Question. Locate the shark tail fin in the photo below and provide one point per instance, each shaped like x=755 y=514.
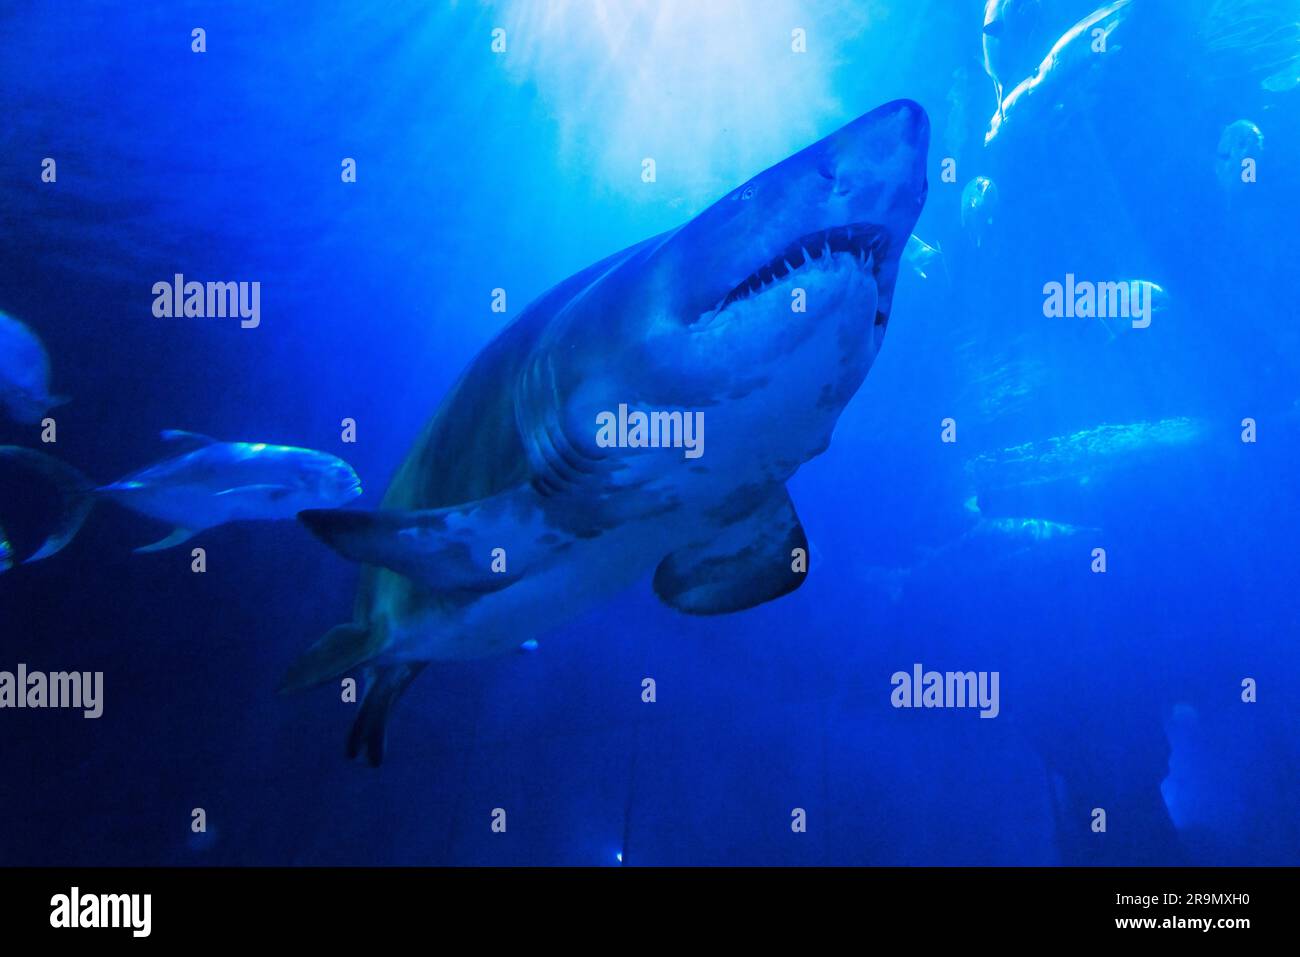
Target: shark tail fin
x=76 y=496
x=337 y=652
x=384 y=685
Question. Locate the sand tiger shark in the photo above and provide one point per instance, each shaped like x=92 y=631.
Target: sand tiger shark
x=509 y=518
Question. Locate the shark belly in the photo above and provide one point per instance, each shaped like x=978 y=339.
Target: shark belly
x=424 y=627
x=608 y=530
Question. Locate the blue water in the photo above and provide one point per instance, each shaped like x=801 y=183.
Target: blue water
x=1120 y=691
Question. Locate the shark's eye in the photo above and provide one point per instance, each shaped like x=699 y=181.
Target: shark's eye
x=748 y=192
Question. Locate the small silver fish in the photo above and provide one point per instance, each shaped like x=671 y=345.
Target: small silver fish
x=1030 y=529
x=24 y=373
x=1252 y=39
x=207 y=483
x=1240 y=140
x=979 y=205
x=921 y=256
x=1010 y=28
x=1084 y=455
x=1067 y=58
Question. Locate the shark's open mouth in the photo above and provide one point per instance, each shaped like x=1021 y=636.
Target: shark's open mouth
x=865 y=242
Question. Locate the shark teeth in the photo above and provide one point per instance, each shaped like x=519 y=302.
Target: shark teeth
x=867 y=243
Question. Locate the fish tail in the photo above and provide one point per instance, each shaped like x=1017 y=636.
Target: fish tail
x=384 y=685
x=76 y=496
x=342 y=649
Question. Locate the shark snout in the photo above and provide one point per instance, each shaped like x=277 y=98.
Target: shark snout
x=855 y=193
x=898 y=127
x=877 y=162
x=911 y=118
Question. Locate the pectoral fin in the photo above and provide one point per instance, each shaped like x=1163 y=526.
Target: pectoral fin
x=175 y=538
x=463 y=548
x=751 y=560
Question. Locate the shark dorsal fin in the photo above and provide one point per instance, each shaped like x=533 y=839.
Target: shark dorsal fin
x=189 y=440
x=446 y=549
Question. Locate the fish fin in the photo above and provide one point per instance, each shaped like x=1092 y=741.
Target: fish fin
x=175 y=538
x=76 y=496
x=193 y=440
x=338 y=651
x=994 y=28
x=448 y=549
x=384 y=685
x=747 y=562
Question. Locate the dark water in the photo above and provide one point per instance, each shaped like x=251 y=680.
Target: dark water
x=1120 y=691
